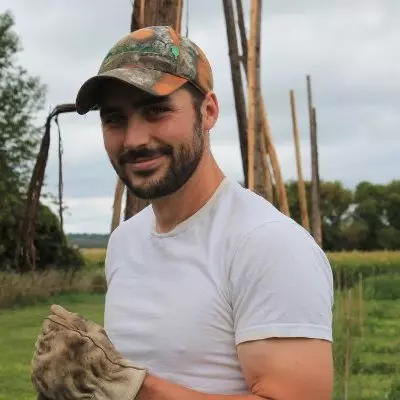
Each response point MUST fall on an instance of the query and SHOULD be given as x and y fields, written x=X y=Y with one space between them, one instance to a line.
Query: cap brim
x=151 y=81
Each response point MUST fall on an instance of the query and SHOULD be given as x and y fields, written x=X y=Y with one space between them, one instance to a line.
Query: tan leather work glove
x=74 y=359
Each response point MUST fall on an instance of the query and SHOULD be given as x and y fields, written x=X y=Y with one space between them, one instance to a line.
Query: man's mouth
x=146 y=163
x=139 y=160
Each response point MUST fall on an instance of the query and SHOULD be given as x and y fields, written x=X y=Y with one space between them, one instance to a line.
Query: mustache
x=132 y=155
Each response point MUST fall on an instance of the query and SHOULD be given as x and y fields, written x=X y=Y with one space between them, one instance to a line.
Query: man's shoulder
x=138 y=223
x=246 y=211
x=258 y=226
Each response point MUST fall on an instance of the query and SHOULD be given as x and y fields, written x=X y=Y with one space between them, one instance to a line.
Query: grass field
x=366 y=330
x=374 y=357
x=18 y=331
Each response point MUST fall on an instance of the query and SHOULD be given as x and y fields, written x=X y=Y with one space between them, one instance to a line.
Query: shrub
x=99 y=284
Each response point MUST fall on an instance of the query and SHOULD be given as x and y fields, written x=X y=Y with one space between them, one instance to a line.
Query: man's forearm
x=155 y=388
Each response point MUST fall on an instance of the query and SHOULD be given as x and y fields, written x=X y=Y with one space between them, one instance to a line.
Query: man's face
x=154 y=144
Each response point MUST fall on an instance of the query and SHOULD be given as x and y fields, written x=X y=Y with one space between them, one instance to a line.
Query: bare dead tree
x=25 y=252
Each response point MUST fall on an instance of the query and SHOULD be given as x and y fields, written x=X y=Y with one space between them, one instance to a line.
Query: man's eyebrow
x=108 y=110
x=148 y=101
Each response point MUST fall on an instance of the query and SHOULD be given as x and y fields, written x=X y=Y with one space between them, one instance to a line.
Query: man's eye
x=156 y=111
x=112 y=118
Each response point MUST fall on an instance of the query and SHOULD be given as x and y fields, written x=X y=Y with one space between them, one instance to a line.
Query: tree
x=370 y=209
x=388 y=237
x=21 y=97
x=335 y=201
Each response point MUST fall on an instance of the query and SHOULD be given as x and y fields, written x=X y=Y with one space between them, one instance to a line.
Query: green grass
x=374 y=351
x=374 y=355
x=18 y=331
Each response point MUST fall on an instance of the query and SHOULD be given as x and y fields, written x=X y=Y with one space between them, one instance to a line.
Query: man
x=212 y=292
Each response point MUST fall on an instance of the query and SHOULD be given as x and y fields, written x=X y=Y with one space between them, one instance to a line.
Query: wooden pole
x=142 y=5
x=280 y=184
x=242 y=32
x=301 y=188
x=178 y=22
x=269 y=190
x=240 y=104
x=315 y=207
x=119 y=191
x=259 y=173
x=157 y=12
x=266 y=130
x=252 y=91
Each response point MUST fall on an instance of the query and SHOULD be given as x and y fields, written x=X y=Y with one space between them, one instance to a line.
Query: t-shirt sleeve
x=281 y=285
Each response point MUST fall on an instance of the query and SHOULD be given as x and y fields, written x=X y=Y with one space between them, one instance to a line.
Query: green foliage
x=21 y=97
x=52 y=246
x=366 y=219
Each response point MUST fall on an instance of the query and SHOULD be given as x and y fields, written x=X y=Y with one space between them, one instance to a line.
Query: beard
x=184 y=162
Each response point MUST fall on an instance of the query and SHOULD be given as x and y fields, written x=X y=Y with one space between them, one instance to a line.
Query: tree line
x=366 y=218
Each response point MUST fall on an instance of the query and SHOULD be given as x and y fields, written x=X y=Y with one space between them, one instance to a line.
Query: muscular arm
x=155 y=388
x=274 y=369
x=281 y=288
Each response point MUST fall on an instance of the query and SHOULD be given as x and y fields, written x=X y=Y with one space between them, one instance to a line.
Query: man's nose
x=137 y=132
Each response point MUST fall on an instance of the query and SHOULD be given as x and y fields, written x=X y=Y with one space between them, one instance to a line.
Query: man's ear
x=210 y=111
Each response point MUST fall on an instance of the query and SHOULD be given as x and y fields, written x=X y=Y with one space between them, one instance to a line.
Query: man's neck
x=174 y=209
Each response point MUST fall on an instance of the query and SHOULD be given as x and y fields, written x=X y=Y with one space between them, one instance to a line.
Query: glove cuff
x=123 y=383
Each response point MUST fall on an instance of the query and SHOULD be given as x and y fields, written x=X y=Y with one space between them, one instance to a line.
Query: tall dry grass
x=30 y=288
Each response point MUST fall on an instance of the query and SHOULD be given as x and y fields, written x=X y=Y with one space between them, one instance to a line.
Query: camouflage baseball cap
x=154 y=59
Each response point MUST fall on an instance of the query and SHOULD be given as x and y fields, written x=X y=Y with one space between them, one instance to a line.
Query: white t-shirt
x=237 y=270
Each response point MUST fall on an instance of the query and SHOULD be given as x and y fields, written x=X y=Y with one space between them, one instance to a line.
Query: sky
x=348 y=47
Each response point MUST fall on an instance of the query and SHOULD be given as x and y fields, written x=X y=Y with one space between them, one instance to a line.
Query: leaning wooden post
x=142 y=5
x=116 y=216
x=266 y=129
x=240 y=103
x=280 y=184
x=252 y=90
x=268 y=178
x=301 y=189
x=315 y=206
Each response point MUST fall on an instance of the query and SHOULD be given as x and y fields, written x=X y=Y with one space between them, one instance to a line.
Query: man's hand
x=74 y=359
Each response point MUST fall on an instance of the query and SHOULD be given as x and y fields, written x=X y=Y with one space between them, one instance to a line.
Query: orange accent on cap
x=174 y=36
x=143 y=34
x=203 y=76
x=167 y=84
